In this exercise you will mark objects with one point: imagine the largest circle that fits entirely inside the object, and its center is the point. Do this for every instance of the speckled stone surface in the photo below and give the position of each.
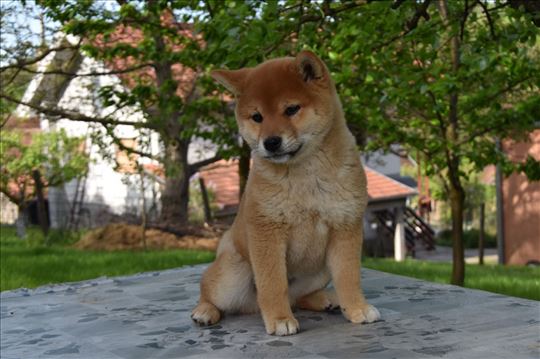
(147, 316)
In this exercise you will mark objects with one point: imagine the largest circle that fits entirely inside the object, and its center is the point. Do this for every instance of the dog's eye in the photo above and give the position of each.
(292, 110)
(257, 117)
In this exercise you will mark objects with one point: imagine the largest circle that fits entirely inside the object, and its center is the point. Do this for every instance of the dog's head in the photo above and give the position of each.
(284, 107)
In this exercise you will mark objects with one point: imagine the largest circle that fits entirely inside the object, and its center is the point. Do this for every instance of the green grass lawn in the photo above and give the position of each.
(516, 281)
(29, 263)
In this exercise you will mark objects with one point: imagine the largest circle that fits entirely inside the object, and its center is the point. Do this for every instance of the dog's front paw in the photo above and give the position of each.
(205, 314)
(363, 314)
(282, 326)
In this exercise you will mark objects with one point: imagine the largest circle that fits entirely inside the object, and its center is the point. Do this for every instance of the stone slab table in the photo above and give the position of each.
(147, 316)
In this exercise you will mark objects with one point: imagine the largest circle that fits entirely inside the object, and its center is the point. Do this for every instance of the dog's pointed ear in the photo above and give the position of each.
(233, 80)
(311, 68)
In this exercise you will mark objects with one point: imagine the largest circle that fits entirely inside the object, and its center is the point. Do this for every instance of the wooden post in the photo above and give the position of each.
(143, 207)
(500, 207)
(481, 235)
(42, 210)
(400, 250)
(206, 203)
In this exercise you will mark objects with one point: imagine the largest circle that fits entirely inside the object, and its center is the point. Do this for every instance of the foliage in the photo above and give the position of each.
(58, 158)
(476, 193)
(196, 202)
(443, 78)
(14, 84)
(20, 44)
(470, 239)
(515, 281)
(30, 263)
(155, 54)
(406, 89)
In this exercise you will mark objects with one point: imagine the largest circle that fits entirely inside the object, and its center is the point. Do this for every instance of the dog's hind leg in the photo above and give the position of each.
(205, 313)
(318, 301)
(226, 286)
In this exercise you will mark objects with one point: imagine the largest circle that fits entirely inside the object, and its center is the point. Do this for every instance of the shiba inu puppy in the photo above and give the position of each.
(299, 223)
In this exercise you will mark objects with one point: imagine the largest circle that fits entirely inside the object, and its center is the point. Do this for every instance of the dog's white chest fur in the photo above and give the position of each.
(308, 193)
(310, 201)
(306, 247)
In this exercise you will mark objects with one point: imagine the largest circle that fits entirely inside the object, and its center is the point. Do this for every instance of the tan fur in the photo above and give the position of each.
(299, 223)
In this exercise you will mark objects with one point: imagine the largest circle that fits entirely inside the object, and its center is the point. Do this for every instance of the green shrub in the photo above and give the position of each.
(470, 239)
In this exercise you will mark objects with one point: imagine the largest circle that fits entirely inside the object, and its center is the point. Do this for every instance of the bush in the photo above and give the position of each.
(470, 239)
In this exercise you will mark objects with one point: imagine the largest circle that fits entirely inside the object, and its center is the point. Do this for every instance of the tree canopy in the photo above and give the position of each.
(58, 157)
(445, 79)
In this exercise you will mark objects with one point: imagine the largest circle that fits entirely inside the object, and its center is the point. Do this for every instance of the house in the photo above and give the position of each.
(111, 186)
(519, 218)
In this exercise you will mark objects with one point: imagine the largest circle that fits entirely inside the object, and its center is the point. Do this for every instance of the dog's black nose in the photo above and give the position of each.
(272, 143)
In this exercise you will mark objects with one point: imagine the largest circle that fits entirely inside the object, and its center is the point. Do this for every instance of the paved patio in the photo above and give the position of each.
(147, 316)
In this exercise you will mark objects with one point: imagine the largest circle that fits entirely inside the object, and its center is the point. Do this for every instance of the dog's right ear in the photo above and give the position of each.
(311, 68)
(233, 80)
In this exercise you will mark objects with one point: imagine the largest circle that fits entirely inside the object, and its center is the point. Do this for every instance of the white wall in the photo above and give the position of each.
(104, 188)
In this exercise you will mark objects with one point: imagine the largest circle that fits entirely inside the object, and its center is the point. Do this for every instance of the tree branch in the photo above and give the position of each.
(502, 91)
(5, 84)
(123, 147)
(326, 10)
(209, 8)
(194, 167)
(410, 25)
(489, 19)
(97, 73)
(464, 19)
(421, 11)
(74, 116)
(24, 63)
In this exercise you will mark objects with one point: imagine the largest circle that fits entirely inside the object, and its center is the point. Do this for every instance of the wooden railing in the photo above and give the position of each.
(417, 231)
(423, 231)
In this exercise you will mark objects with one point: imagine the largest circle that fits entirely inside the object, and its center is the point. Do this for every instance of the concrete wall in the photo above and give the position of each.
(521, 201)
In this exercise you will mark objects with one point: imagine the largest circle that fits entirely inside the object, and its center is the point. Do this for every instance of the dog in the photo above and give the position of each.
(299, 223)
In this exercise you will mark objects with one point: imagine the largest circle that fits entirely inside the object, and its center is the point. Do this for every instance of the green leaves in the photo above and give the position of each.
(392, 64)
(59, 159)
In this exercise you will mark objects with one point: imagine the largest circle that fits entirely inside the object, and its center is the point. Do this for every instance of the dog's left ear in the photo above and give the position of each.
(311, 68)
(232, 80)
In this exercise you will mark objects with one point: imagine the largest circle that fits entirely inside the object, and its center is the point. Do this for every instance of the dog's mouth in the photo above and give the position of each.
(283, 155)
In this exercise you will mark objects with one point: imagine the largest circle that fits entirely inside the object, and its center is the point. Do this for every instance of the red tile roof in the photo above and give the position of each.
(222, 178)
(381, 187)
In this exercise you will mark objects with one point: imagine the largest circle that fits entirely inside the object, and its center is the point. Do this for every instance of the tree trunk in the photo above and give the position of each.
(42, 210)
(20, 223)
(243, 166)
(457, 194)
(143, 206)
(481, 235)
(206, 201)
(175, 195)
(457, 199)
